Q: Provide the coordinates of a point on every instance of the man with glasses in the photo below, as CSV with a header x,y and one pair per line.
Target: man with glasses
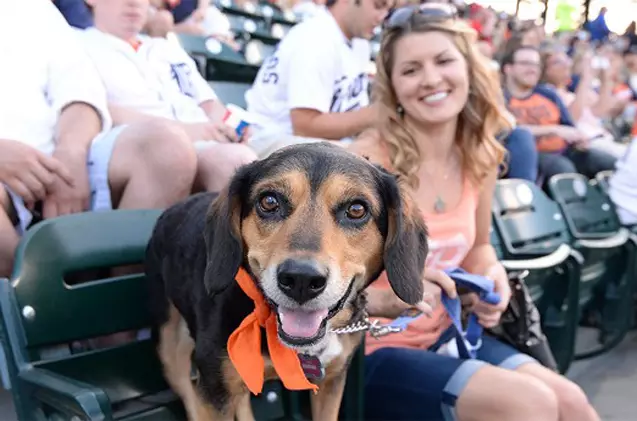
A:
x,y
562,148
315,85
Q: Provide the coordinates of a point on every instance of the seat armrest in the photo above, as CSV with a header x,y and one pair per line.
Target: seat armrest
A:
x,y
66,395
556,258
619,239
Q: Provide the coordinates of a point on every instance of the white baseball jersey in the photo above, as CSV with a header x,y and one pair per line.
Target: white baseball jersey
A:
x,y
156,78
315,66
43,70
623,185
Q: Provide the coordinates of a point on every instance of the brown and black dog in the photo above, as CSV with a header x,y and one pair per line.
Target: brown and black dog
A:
x,y
313,225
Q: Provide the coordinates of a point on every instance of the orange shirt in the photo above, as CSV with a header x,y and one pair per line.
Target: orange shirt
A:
x,y
451,237
542,108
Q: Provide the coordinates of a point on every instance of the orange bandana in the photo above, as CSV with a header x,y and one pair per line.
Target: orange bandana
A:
x,y
244,345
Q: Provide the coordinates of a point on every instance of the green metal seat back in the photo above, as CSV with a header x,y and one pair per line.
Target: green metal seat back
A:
x,y
244,22
216,59
602,180
496,242
588,212
231,92
527,221
55,312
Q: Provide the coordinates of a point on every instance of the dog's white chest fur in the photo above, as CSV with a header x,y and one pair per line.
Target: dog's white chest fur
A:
x,y
328,349
334,349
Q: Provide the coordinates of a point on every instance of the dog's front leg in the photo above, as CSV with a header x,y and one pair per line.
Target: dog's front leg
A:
x,y
221,386
327,402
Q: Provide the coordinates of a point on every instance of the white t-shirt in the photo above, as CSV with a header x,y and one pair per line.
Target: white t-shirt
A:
x,y
623,185
42,70
315,67
158,79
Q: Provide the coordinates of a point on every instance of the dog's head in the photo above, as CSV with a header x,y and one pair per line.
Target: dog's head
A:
x,y
314,225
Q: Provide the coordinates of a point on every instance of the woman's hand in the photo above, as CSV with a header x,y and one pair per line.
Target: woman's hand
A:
x,y
384,303
489,314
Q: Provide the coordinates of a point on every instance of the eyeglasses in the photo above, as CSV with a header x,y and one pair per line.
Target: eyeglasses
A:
x,y
401,17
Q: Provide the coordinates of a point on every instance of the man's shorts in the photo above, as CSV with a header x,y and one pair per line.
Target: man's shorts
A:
x,y
99,158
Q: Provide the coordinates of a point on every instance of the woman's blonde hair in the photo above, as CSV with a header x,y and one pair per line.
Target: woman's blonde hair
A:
x,y
483,117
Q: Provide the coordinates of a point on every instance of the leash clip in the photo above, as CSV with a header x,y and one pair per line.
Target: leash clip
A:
x,y
377,330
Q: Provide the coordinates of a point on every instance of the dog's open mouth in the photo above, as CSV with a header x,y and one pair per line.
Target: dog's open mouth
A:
x,y
302,327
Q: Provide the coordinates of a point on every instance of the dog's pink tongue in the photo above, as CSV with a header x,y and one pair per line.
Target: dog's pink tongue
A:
x,y
300,323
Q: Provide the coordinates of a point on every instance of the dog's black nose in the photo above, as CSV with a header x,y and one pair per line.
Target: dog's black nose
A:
x,y
301,280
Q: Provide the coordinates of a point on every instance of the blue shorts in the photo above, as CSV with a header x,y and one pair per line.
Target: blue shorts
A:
x,y
404,384
99,158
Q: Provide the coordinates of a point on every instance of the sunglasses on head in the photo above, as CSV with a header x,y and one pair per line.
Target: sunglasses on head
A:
x,y
402,16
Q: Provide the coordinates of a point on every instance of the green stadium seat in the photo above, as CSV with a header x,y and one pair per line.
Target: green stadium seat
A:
x,y
533,236
217,60
608,249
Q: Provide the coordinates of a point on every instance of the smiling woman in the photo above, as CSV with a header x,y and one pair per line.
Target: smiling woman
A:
x,y
440,110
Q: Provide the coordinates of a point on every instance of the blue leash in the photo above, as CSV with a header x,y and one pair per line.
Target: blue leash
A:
x,y
468,341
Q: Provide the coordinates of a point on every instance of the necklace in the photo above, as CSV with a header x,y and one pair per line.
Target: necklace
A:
x,y
440,206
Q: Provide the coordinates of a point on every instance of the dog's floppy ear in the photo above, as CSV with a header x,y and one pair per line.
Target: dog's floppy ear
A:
x,y
223,233
406,243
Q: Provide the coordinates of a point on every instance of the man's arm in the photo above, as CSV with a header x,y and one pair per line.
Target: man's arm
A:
x,y
313,123
77,126
538,131
313,73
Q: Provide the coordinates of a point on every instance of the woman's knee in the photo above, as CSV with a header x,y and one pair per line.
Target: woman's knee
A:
x,y
495,393
571,398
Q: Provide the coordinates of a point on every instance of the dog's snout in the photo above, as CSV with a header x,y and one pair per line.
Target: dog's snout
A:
x,y
301,280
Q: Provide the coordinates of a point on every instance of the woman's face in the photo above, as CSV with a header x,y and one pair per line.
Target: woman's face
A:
x,y
430,77
558,69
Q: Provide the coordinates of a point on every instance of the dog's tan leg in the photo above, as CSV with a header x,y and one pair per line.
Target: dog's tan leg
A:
x,y
240,396
175,352
327,402
244,408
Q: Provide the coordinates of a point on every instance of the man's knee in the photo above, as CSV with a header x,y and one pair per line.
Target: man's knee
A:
x,y
157,146
225,157
552,164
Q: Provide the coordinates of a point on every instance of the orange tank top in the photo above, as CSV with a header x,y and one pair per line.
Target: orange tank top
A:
x,y
451,237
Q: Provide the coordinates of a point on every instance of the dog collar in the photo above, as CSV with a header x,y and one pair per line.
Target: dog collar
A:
x,y
244,345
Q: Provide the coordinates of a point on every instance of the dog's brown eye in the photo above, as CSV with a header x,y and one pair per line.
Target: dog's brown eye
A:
x,y
356,211
269,203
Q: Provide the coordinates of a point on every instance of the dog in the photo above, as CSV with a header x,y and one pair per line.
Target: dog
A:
x,y
312,226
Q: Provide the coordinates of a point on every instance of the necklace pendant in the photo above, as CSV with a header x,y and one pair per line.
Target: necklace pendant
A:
x,y
439,205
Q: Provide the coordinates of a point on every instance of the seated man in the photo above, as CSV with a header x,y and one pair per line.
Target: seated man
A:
x,y
57,153
315,85
153,80
562,147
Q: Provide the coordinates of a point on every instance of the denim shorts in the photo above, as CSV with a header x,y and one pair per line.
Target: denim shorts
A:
x,y
404,384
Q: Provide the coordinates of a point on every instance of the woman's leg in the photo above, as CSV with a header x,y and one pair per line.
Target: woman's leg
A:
x,y
573,403
416,385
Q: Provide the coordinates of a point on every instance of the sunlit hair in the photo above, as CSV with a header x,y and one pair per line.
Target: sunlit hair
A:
x,y
482,118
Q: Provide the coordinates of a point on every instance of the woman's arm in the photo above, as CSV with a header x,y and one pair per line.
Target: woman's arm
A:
x,y
482,259
482,255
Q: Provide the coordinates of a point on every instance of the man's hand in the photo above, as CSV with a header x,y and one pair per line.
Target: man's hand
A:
x,y
29,173
216,130
570,134
67,199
